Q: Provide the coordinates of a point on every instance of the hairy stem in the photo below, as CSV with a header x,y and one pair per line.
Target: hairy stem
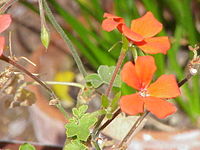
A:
x,y
182,82
62,110
132,130
119,62
10,61
109,121
65,38
96,145
21,68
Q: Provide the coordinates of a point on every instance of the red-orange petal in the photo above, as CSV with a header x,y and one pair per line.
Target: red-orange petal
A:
x,y
164,87
109,24
108,15
129,76
5,21
115,18
147,25
2,43
132,104
160,108
131,35
155,45
145,67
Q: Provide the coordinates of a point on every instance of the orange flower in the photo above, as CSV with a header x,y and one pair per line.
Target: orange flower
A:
x,y
150,96
141,33
5,21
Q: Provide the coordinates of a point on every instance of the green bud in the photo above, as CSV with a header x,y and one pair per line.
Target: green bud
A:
x,y
26,146
45,37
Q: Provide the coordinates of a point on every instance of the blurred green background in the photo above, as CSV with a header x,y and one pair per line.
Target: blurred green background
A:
x,y
181,20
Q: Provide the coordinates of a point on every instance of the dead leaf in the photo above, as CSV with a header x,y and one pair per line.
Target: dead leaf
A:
x,y
13,86
121,125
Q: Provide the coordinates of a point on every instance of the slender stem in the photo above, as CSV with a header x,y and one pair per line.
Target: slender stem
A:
x,y
132,130
184,80
6,6
119,62
42,17
62,83
10,61
10,44
109,121
96,145
62,110
65,38
96,130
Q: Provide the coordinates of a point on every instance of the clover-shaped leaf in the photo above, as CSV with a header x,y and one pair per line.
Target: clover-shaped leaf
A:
x,y
75,145
80,125
106,72
94,79
104,76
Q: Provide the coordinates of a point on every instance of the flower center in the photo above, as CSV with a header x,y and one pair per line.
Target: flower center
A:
x,y
144,93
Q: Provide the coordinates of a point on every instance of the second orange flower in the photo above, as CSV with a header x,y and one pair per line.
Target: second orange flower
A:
x,y
141,33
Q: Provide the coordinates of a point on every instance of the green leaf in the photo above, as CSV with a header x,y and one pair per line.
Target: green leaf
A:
x,y
114,102
82,109
79,112
104,101
26,146
75,112
106,72
113,106
75,145
80,125
104,76
94,79
80,129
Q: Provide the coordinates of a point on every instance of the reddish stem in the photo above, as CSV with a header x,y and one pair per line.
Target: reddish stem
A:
x,y
132,130
109,121
119,62
10,61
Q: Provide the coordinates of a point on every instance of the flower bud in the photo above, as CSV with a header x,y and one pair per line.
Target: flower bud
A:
x,y
45,37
